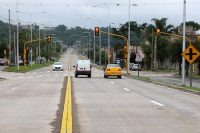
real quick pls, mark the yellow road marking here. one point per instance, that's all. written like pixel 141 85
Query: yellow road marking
pixel 66 126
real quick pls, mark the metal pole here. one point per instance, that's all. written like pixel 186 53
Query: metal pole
pixel 39 41
pixel 31 40
pixel 108 34
pixel 17 36
pixel 155 53
pixel 9 38
pixel 190 75
pixel 88 47
pixel 15 48
pixel 94 50
pixel 89 43
pixel 129 36
pixel 183 48
pixel 100 48
pixel 152 50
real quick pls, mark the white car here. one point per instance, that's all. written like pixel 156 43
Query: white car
pixel 58 66
pixel 83 67
pixel 135 67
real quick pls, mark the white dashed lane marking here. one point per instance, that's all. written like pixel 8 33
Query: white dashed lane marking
pixel 12 89
pixel 126 89
pixel 112 82
pixel 157 103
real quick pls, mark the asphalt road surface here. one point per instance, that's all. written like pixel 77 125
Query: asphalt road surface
pixel 131 106
pixel 29 102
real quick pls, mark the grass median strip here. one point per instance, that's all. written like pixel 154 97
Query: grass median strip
pixel 66 126
pixel 193 90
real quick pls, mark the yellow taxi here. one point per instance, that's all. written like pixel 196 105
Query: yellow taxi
pixel 113 70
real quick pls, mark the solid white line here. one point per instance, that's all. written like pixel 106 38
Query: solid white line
pixel 157 103
pixel 126 89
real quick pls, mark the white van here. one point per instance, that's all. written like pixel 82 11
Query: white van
pixel 83 67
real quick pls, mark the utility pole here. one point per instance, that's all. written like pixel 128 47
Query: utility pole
pixel 152 51
pixel 31 41
pixel 39 42
pixel 89 45
pixel 129 36
pixel 94 50
pixel 15 48
pixel 9 38
pixel 99 48
pixel 17 36
pixel 108 34
pixel 155 53
pixel 183 48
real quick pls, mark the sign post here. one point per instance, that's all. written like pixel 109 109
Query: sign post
pixel 138 59
pixel 5 57
pixel 191 54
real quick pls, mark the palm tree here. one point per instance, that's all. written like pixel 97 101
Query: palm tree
pixel 162 25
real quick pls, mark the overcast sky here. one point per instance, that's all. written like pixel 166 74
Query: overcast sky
pixel 90 13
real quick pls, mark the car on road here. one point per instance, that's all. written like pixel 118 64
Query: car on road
pixel 4 61
pixel 135 67
pixel 58 66
pixel 83 67
pixel 113 70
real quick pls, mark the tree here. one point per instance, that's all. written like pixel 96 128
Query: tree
pixel 162 25
pixel 61 28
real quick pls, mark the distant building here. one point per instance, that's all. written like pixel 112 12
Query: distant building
pixel 189 30
pixel 137 49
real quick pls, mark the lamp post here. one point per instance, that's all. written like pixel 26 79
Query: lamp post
pixel 108 34
pixel 17 35
pixel 183 48
pixel 89 36
pixel 31 14
pixel 129 33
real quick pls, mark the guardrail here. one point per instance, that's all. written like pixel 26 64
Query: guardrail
pixel 66 126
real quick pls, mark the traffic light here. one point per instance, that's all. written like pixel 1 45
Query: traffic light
pixel 96 31
pixel 49 38
pixel 125 49
pixel 157 31
pixel 125 52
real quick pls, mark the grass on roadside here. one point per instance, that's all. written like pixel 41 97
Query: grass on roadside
pixel 184 88
pixel 196 76
pixel 26 68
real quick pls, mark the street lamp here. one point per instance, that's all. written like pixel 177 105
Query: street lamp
pixel 107 5
pixel 31 13
pixel 89 36
pixel 82 37
pixel 129 33
pixel 183 49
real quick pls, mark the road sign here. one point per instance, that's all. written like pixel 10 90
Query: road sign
pixel 138 58
pixel 191 54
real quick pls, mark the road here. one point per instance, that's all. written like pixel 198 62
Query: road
pixel 131 106
pixel 32 103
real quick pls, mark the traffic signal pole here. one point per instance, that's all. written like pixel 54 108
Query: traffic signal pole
pixel 26 43
pixel 125 38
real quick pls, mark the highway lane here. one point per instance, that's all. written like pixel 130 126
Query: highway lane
pixel 131 106
pixel 30 102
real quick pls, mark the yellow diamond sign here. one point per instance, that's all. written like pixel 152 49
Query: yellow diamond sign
pixel 191 54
